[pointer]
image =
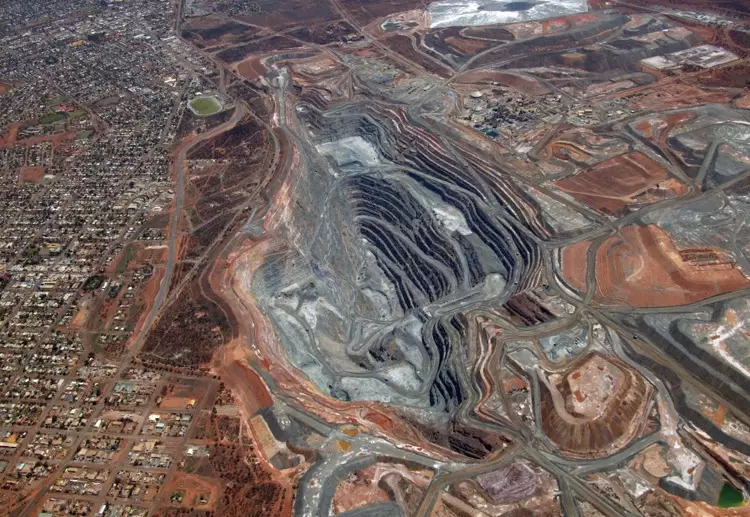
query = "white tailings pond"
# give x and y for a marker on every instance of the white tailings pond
(450, 13)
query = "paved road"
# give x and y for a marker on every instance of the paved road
(137, 344)
(314, 495)
(179, 166)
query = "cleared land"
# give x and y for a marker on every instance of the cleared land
(612, 186)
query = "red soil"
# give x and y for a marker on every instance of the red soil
(249, 388)
(79, 320)
(404, 46)
(520, 83)
(567, 151)
(251, 68)
(466, 45)
(12, 136)
(641, 267)
(743, 102)
(574, 265)
(31, 174)
(196, 489)
(150, 290)
(611, 185)
(357, 490)
(616, 416)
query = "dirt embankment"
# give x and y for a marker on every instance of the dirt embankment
(641, 267)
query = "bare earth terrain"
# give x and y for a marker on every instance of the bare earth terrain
(375, 258)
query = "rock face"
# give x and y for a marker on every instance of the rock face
(510, 484)
(393, 236)
(595, 408)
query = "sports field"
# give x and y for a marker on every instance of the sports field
(205, 106)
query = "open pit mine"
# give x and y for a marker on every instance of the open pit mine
(494, 257)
